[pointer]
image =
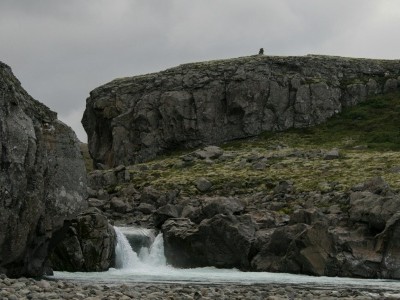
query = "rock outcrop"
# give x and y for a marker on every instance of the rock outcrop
(222, 241)
(133, 120)
(308, 242)
(351, 233)
(89, 245)
(42, 178)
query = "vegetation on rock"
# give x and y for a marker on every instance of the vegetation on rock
(367, 136)
(316, 200)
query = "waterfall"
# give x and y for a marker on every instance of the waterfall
(137, 248)
(154, 255)
(125, 257)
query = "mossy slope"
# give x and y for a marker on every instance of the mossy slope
(367, 136)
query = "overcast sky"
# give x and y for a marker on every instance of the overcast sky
(61, 50)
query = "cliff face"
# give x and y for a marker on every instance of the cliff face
(132, 120)
(42, 178)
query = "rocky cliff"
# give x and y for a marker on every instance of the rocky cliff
(132, 120)
(42, 178)
(318, 201)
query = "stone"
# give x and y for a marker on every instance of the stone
(134, 119)
(166, 212)
(296, 249)
(119, 205)
(96, 203)
(223, 241)
(283, 187)
(227, 240)
(388, 244)
(42, 178)
(195, 214)
(91, 193)
(203, 185)
(109, 178)
(390, 85)
(376, 185)
(307, 216)
(96, 180)
(332, 154)
(221, 205)
(370, 207)
(44, 284)
(146, 208)
(209, 152)
(150, 195)
(88, 245)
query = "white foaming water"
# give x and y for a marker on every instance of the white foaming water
(155, 255)
(150, 266)
(125, 257)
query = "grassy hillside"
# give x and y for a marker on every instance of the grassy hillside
(374, 123)
(367, 136)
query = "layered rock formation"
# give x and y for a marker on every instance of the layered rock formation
(132, 120)
(42, 178)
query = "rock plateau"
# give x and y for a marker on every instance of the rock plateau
(132, 120)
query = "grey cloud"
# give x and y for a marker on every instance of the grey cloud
(60, 50)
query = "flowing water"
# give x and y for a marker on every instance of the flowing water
(149, 265)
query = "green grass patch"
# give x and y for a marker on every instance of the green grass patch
(368, 136)
(373, 123)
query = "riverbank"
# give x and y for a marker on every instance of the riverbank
(27, 288)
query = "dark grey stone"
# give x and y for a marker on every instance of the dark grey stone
(42, 178)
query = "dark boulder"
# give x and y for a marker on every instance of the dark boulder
(272, 246)
(42, 178)
(375, 185)
(221, 205)
(228, 240)
(223, 241)
(179, 243)
(388, 245)
(166, 212)
(89, 245)
(373, 209)
(307, 216)
(210, 206)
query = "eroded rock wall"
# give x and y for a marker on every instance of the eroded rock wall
(132, 120)
(42, 178)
